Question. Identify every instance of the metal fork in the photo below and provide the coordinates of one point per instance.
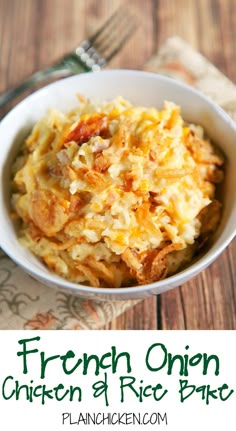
(91, 55)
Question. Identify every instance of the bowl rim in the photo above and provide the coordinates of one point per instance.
(177, 278)
(144, 73)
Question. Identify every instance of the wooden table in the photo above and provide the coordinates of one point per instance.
(33, 33)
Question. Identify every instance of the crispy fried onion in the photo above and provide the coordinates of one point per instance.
(92, 271)
(48, 212)
(149, 266)
(209, 217)
(203, 151)
(88, 126)
(96, 272)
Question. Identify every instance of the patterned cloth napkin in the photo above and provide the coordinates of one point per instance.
(27, 304)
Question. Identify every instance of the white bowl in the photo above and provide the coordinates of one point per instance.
(141, 88)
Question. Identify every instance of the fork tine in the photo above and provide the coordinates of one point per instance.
(111, 37)
(113, 45)
(107, 26)
(101, 47)
(121, 25)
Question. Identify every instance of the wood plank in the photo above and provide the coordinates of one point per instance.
(142, 316)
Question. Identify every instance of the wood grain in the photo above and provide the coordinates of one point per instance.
(34, 33)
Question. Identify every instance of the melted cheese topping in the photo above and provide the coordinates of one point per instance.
(112, 177)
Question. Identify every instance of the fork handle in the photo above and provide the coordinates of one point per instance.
(57, 70)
